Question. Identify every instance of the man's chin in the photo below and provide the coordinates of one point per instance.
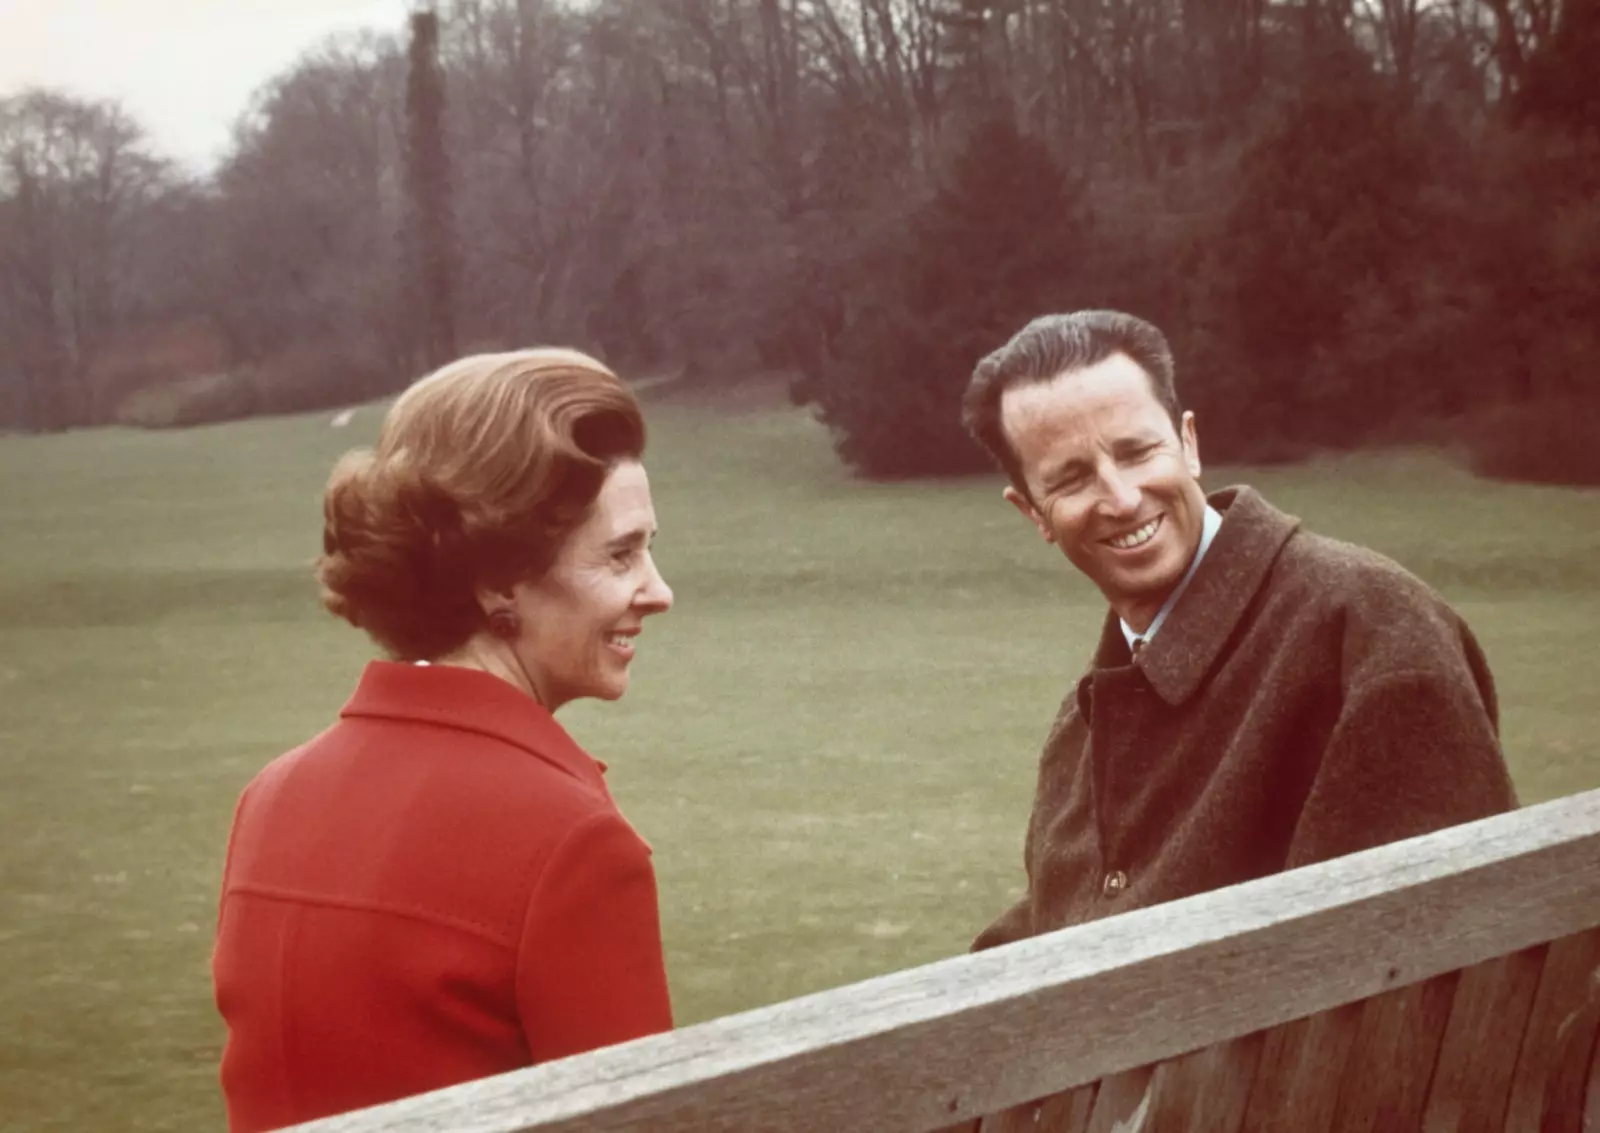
(1140, 588)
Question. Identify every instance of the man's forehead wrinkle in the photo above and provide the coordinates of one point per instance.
(1028, 407)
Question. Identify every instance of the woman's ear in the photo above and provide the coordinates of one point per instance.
(490, 598)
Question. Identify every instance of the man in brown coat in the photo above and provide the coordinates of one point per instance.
(1261, 697)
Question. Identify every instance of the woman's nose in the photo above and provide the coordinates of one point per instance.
(657, 595)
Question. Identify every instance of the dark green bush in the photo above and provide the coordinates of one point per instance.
(1003, 240)
(1549, 442)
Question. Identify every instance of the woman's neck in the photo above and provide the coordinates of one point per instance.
(498, 659)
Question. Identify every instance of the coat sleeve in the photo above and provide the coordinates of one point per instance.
(590, 970)
(1016, 923)
(1055, 776)
(1412, 751)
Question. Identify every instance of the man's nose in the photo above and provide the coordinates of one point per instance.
(1119, 495)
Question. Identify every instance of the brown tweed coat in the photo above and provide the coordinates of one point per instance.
(1305, 699)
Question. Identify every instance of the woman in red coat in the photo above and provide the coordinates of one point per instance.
(439, 887)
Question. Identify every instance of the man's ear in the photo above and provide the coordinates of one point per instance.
(1191, 444)
(1029, 512)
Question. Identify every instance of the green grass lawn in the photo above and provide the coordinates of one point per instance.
(830, 742)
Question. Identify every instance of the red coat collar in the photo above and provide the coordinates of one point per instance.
(469, 701)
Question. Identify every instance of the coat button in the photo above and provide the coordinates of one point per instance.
(1116, 881)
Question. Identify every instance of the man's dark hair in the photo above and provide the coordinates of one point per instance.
(1050, 346)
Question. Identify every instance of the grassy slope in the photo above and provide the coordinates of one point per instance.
(830, 742)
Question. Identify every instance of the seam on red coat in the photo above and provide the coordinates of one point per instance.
(287, 1042)
(538, 884)
(518, 743)
(275, 893)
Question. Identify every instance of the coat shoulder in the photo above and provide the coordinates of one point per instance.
(1355, 580)
(1389, 619)
(451, 824)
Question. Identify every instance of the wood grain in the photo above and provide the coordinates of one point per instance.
(1385, 1086)
(1591, 1106)
(1123, 1103)
(1472, 1081)
(1228, 1092)
(1566, 988)
(1574, 1054)
(1067, 1112)
(923, 1049)
(1302, 1064)
(1206, 1091)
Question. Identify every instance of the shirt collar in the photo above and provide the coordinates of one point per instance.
(1210, 524)
(1247, 544)
(469, 701)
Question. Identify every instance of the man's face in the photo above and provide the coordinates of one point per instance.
(1113, 484)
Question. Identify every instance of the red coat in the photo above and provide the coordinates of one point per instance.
(436, 889)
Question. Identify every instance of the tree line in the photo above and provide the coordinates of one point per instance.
(1356, 218)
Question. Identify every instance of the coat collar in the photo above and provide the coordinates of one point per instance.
(1178, 658)
(469, 701)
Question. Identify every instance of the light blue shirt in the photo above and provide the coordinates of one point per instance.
(1210, 524)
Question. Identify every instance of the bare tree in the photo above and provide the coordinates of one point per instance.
(431, 228)
(312, 203)
(74, 176)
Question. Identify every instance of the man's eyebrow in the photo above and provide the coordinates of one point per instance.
(1066, 468)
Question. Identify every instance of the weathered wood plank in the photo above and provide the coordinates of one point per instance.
(1302, 1064)
(1228, 1092)
(1591, 1108)
(1177, 1091)
(1123, 1103)
(1472, 1081)
(1565, 988)
(1066, 1112)
(1018, 1119)
(1206, 1091)
(1575, 1048)
(922, 1049)
(1385, 1086)
(1565, 1107)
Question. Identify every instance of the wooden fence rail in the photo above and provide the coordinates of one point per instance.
(1463, 967)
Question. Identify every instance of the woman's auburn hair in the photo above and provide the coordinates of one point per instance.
(480, 472)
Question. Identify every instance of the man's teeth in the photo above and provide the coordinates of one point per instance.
(1135, 538)
(621, 639)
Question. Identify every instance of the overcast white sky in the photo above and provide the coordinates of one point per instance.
(183, 68)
